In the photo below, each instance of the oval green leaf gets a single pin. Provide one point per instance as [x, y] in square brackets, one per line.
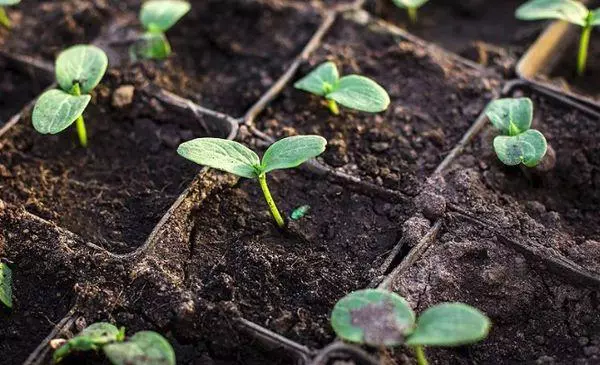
[292, 151]
[144, 348]
[160, 15]
[9, 2]
[450, 324]
[92, 337]
[595, 17]
[82, 64]
[569, 10]
[528, 148]
[321, 80]
[6, 285]
[511, 115]
[412, 4]
[222, 154]
[152, 46]
[55, 110]
[360, 93]
[374, 317]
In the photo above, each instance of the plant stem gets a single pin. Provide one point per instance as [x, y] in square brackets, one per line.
[333, 107]
[412, 15]
[79, 123]
[420, 355]
[4, 21]
[583, 48]
[262, 178]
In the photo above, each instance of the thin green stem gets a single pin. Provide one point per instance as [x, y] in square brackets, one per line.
[333, 107]
[4, 20]
[412, 15]
[79, 123]
[420, 355]
[583, 49]
[262, 179]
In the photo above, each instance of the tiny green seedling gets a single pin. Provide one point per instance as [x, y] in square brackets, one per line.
[4, 20]
[411, 7]
[158, 16]
[380, 318]
[352, 91]
[143, 348]
[569, 10]
[78, 70]
[518, 143]
[237, 159]
[5, 285]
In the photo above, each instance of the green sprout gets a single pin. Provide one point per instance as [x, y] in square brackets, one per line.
[237, 159]
[411, 7]
[5, 285]
[4, 20]
[158, 16]
[78, 70]
[518, 143]
[380, 318]
[143, 348]
[570, 11]
[353, 91]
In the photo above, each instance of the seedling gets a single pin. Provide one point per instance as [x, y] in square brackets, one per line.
[158, 16]
[5, 285]
[4, 20]
[379, 318]
[143, 348]
[517, 143]
[352, 91]
[569, 10]
[411, 7]
[78, 70]
[235, 158]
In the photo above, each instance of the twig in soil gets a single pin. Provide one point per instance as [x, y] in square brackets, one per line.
[341, 349]
[39, 354]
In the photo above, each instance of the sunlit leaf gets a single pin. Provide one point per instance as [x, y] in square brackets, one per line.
[570, 10]
[360, 93]
[292, 151]
[409, 3]
[82, 64]
[160, 15]
[321, 80]
[55, 110]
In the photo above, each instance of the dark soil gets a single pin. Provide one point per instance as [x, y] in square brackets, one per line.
[17, 88]
[537, 316]
[558, 209]
[434, 101]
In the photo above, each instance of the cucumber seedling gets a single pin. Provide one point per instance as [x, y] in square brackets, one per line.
[411, 7]
[4, 20]
[78, 71]
[235, 158]
[158, 16]
[5, 285]
[569, 10]
[517, 143]
[144, 347]
[380, 318]
[352, 91]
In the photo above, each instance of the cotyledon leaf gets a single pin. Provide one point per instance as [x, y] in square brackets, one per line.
[511, 115]
[92, 337]
[360, 93]
[569, 10]
[55, 110]
[5, 285]
[82, 64]
[143, 348]
[9, 2]
[528, 148]
[409, 3]
[160, 15]
[292, 151]
[324, 77]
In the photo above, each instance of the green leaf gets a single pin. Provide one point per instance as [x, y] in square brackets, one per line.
[321, 80]
[595, 17]
[299, 212]
[374, 317]
[144, 348]
[449, 324]
[55, 110]
[160, 15]
[511, 115]
[292, 151]
[92, 337]
[569, 10]
[528, 148]
[360, 93]
[9, 2]
[6, 285]
[414, 4]
[152, 46]
[222, 154]
[81, 64]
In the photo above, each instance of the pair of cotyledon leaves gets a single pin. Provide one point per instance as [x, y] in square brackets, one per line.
[235, 158]
[5, 285]
[570, 10]
[158, 16]
[518, 143]
[143, 348]
[381, 318]
[352, 91]
[57, 109]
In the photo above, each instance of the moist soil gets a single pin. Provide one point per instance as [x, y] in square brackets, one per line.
[484, 31]
[17, 88]
[433, 102]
